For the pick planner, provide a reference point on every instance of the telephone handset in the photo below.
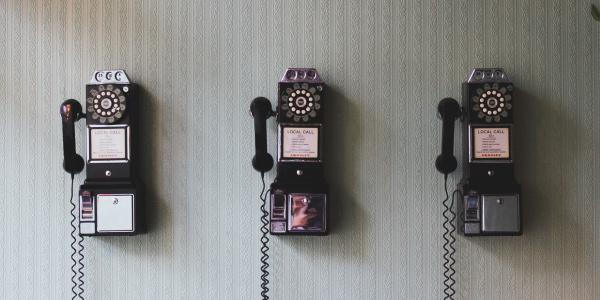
(489, 196)
(298, 196)
(110, 197)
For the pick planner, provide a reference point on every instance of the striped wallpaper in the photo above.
(387, 63)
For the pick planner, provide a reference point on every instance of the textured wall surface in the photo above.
(388, 63)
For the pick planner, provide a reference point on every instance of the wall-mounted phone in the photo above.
(298, 196)
(489, 196)
(110, 199)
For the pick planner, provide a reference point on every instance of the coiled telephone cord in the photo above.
(264, 240)
(77, 252)
(449, 239)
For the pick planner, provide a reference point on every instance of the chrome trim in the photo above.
(292, 75)
(109, 76)
(477, 75)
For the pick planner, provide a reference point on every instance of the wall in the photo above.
(387, 62)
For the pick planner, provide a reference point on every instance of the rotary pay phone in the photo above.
(489, 196)
(110, 197)
(298, 196)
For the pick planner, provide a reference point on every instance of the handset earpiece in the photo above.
(70, 112)
(449, 110)
(260, 108)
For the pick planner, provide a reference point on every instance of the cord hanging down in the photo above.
(449, 239)
(77, 252)
(264, 240)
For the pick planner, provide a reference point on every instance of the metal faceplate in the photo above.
(500, 213)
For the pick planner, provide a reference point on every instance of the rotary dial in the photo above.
(492, 102)
(301, 102)
(106, 104)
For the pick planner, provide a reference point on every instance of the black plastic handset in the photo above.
(70, 112)
(449, 110)
(261, 110)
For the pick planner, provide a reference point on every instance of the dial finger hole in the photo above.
(501, 104)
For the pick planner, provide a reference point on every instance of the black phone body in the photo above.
(111, 197)
(491, 197)
(299, 194)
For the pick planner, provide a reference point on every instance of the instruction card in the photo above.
(491, 143)
(108, 143)
(300, 142)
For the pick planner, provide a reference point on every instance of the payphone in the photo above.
(489, 197)
(110, 199)
(298, 197)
